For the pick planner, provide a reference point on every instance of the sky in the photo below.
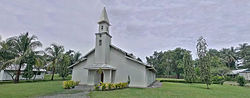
(138, 26)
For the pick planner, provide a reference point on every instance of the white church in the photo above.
(109, 64)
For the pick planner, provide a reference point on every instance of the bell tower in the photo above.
(103, 40)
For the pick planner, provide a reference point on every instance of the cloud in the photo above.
(140, 26)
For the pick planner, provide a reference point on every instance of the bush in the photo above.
(70, 84)
(66, 85)
(110, 86)
(230, 78)
(218, 80)
(241, 80)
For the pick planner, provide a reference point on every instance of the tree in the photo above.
(157, 60)
(229, 57)
(55, 53)
(189, 71)
(218, 67)
(39, 64)
(203, 62)
(28, 72)
(21, 47)
(64, 64)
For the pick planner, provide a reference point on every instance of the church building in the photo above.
(110, 64)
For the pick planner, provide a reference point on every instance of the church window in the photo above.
(100, 35)
(100, 42)
(101, 27)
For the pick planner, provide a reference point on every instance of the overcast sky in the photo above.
(138, 26)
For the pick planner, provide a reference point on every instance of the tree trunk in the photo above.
(178, 75)
(53, 72)
(35, 76)
(18, 73)
(207, 86)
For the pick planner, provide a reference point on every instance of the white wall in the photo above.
(79, 73)
(245, 75)
(5, 76)
(150, 77)
(125, 67)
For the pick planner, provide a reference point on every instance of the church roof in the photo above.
(128, 56)
(104, 17)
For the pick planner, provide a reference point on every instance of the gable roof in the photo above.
(129, 56)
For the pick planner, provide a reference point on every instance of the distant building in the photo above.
(109, 64)
(240, 72)
(245, 74)
(7, 73)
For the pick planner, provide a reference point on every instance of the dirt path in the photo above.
(78, 92)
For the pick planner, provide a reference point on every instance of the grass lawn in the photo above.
(177, 90)
(24, 90)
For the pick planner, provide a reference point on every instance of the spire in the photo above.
(104, 17)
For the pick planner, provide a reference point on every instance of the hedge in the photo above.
(110, 86)
(70, 84)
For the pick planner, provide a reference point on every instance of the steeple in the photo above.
(103, 40)
(104, 22)
(104, 17)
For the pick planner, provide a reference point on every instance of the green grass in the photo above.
(24, 90)
(177, 90)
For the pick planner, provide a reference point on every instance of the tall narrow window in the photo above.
(100, 42)
(101, 27)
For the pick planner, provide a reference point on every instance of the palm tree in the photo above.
(21, 47)
(39, 64)
(229, 56)
(76, 57)
(242, 50)
(55, 53)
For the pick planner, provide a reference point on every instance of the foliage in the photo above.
(70, 84)
(204, 61)
(28, 72)
(230, 78)
(63, 68)
(39, 64)
(56, 77)
(54, 54)
(20, 49)
(241, 80)
(189, 71)
(110, 86)
(218, 80)
(168, 62)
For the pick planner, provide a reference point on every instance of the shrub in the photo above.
(66, 85)
(77, 83)
(70, 84)
(103, 87)
(110, 86)
(241, 80)
(96, 87)
(218, 80)
(230, 78)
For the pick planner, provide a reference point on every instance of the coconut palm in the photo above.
(39, 64)
(55, 53)
(20, 47)
(230, 57)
